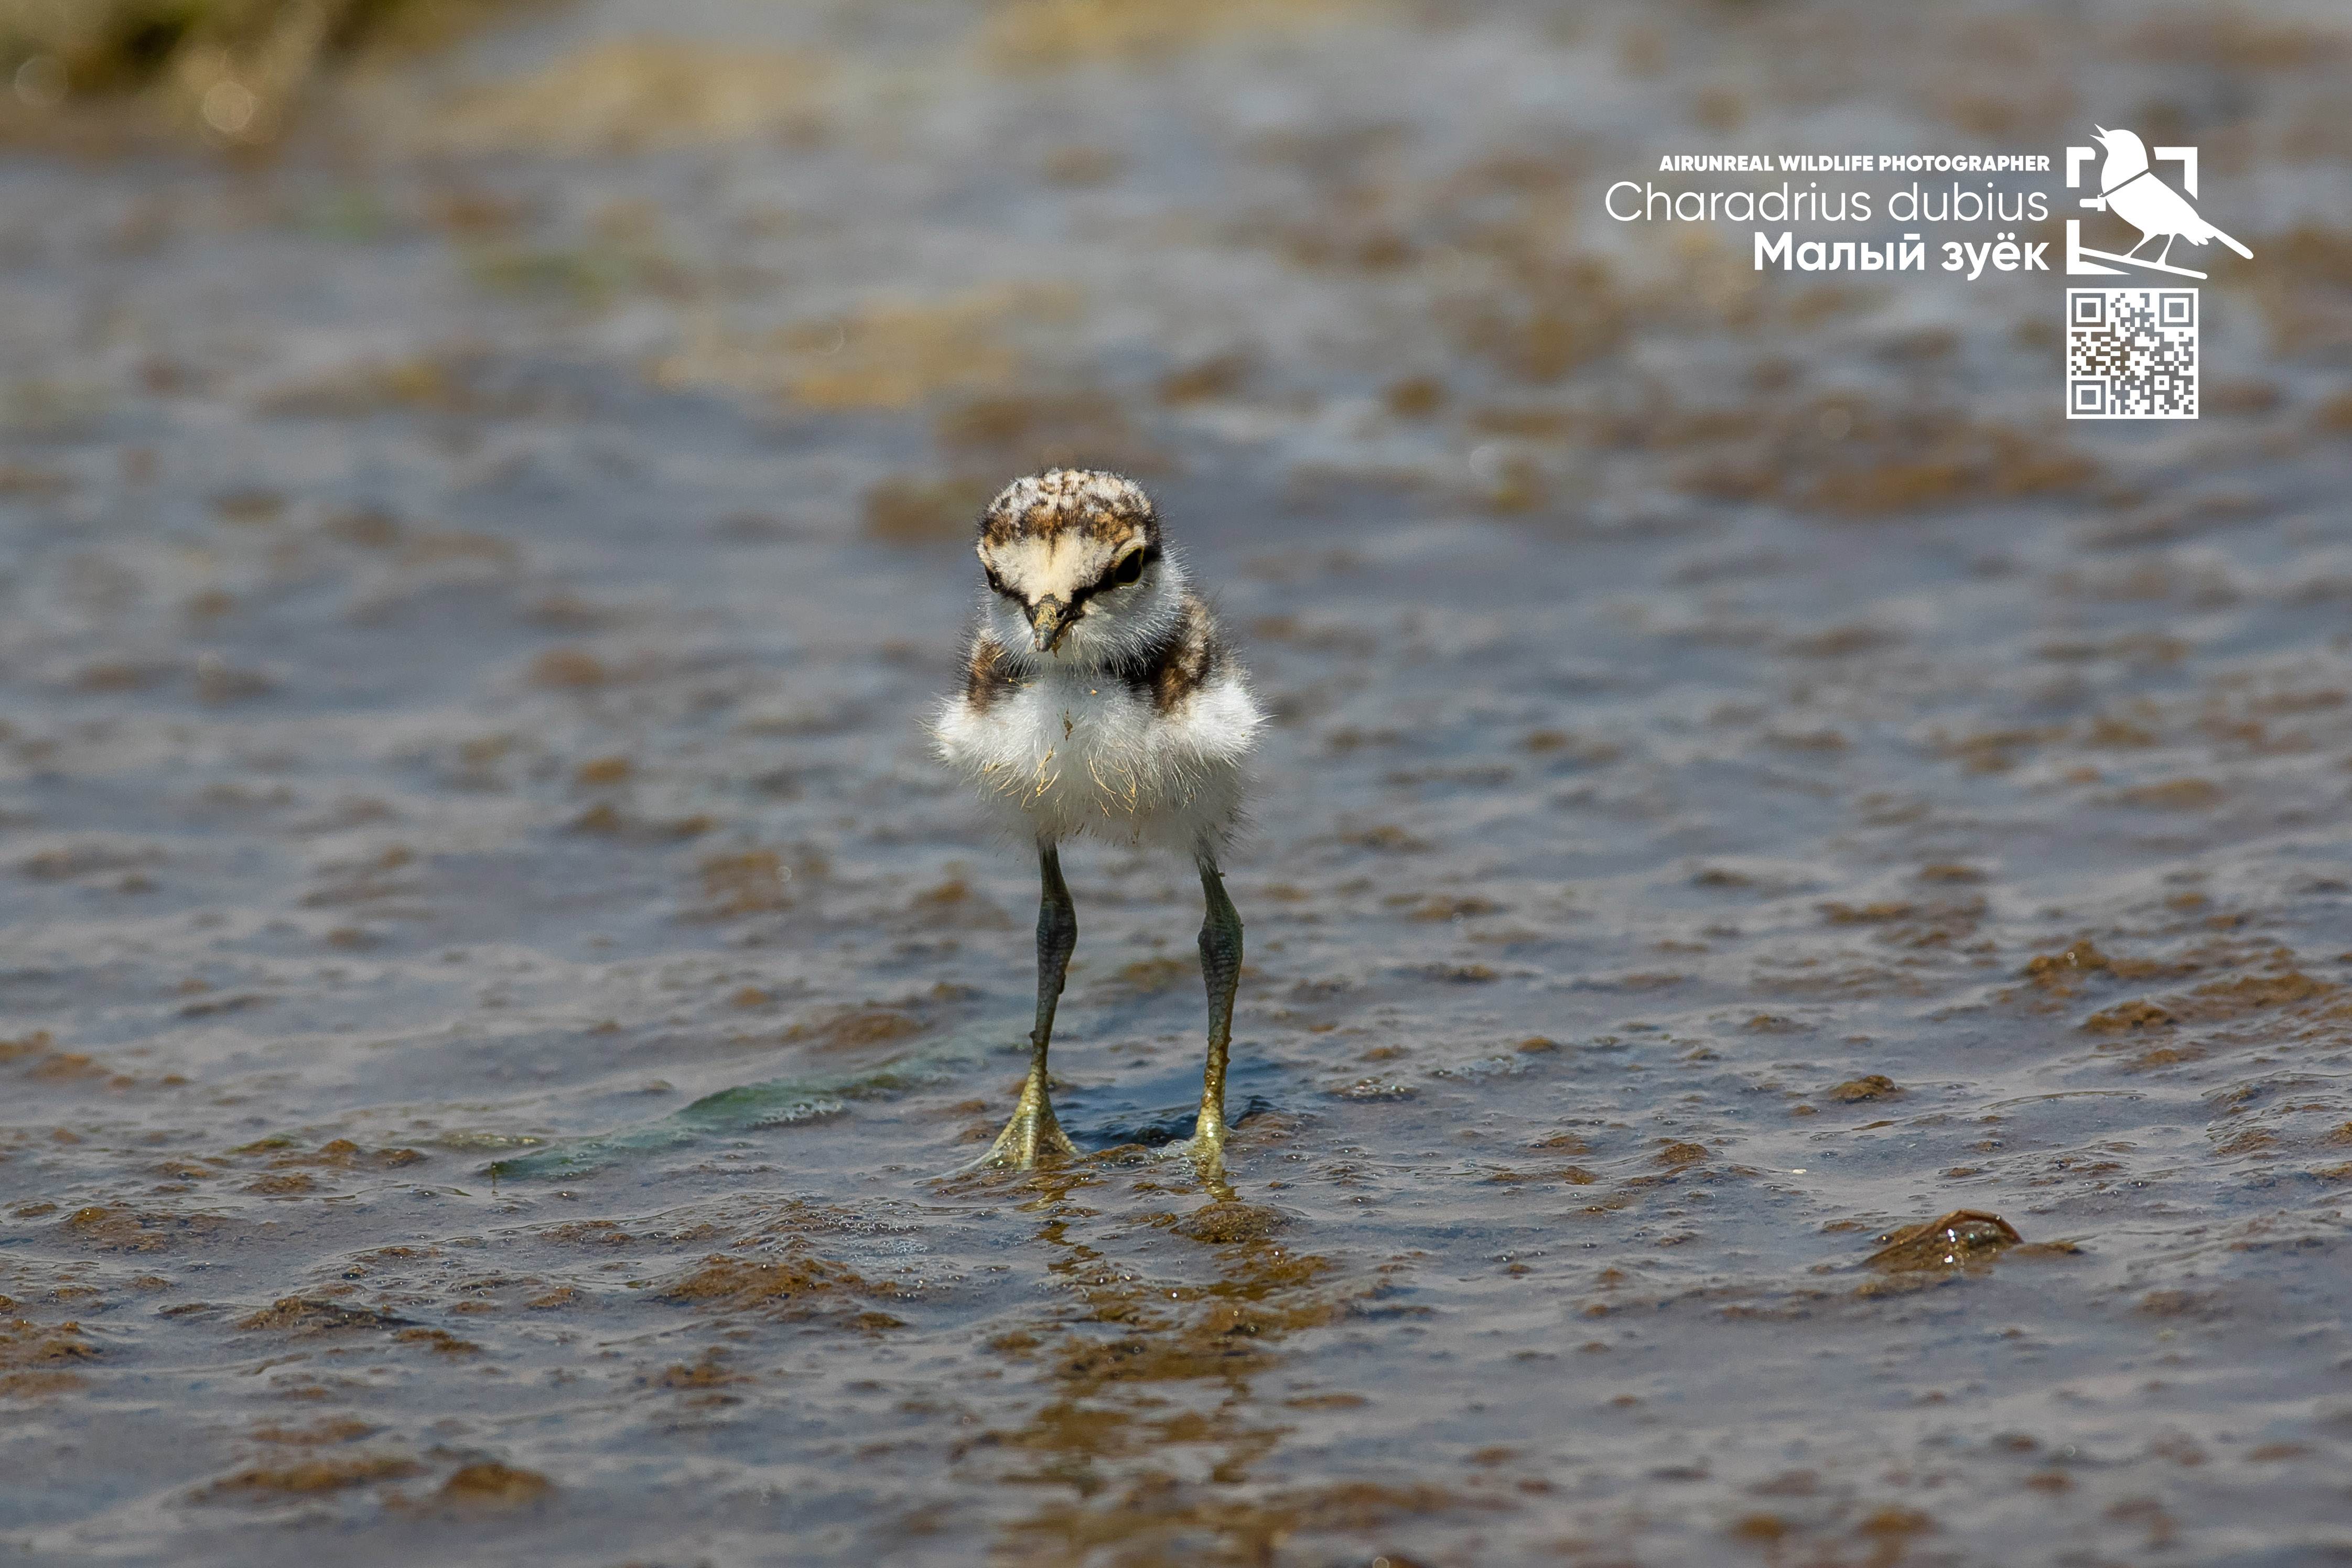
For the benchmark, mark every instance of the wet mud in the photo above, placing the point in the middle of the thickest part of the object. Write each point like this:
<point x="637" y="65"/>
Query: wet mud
<point x="1797" y="1002"/>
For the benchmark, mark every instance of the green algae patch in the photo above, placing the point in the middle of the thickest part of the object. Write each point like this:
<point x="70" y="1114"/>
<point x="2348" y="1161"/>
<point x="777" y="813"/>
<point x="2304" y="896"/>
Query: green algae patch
<point x="1230" y="1222"/>
<point x="303" y="1316"/>
<point x="793" y="1284"/>
<point x="114" y="1228"/>
<point x="37" y="1360"/>
<point x="754" y="1107"/>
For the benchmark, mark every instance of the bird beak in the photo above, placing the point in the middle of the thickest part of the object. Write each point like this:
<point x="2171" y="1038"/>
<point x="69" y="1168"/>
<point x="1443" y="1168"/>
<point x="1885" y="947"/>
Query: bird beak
<point x="1046" y="623"/>
<point x="2100" y="134"/>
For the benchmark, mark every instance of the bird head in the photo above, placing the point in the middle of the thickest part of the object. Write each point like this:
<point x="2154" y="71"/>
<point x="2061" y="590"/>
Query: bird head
<point x="2123" y="147"/>
<point x="1074" y="566"/>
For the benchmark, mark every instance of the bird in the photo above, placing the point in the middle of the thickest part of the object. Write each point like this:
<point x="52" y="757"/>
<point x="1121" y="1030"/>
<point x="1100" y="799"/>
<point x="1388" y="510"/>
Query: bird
<point x="1098" y="698"/>
<point x="2127" y="184"/>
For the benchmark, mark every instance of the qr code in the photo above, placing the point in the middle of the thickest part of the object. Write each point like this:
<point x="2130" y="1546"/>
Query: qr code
<point x="2131" y="353"/>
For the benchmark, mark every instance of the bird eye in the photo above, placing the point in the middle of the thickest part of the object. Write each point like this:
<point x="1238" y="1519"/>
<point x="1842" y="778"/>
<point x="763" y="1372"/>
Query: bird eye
<point x="995" y="583"/>
<point x="1128" y="571"/>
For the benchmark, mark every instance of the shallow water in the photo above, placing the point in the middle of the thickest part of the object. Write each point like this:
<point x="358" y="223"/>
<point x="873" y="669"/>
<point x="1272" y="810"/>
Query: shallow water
<point x="495" y="982"/>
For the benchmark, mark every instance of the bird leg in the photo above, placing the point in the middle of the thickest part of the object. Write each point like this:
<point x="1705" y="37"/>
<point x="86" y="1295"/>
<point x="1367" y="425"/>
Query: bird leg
<point x="2167" y="250"/>
<point x="1221" y="973"/>
<point x="2135" y="250"/>
<point x="1034" y="1136"/>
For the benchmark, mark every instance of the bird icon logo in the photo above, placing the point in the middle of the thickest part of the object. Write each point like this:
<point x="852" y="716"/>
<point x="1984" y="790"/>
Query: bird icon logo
<point x="2129" y="187"/>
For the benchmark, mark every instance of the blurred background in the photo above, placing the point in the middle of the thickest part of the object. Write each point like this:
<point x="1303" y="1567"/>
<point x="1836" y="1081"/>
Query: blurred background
<point x="493" y="974"/>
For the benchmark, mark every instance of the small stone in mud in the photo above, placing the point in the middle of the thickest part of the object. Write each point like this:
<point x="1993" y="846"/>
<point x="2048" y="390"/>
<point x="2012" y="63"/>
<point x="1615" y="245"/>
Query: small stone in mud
<point x="1414" y="397"/>
<point x="573" y="668"/>
<point x="2128" y="1016"/>
<point x="710" y="1372"/>
<point x="600" y="772"/>
<point x="1577" y="1176"/>
<point x="2172" y="795"/>
<point x="1956" y="1240"/>
<point x="1873" y="1086"/>
<point x="2057" y="969"/>
<point x="1894" y="1524"/>
<point x="335" y="1429"/>
<point x="1218" y="1224"/>
<point x="486" y="1484"/>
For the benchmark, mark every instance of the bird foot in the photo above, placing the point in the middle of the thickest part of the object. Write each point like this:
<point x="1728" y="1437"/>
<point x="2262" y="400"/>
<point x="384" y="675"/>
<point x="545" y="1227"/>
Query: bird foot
<point x="1033" y="1138"/>
<point x="1206" y="1150"/>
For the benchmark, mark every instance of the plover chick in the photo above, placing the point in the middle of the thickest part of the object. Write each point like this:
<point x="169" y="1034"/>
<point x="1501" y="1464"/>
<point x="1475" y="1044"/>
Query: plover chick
<point x="1099" y="699"/>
